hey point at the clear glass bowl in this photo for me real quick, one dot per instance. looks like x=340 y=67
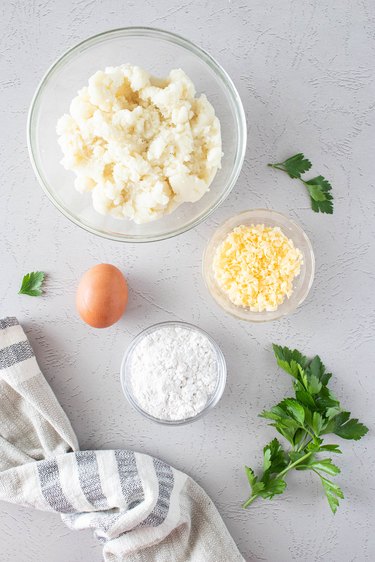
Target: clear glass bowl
x=158 y=52
x=302 y=283
x=126 y=374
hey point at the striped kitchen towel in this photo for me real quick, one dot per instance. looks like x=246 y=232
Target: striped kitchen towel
x=139 y=507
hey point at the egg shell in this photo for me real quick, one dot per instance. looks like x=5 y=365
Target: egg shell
x=102 y=295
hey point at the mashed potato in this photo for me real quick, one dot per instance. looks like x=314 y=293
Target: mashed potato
x=140 y=145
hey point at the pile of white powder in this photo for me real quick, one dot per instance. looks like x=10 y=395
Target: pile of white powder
x=173 y=372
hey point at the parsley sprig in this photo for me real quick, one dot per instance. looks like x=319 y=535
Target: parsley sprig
x=32 y=284
x=303 y=421
x=319 y=188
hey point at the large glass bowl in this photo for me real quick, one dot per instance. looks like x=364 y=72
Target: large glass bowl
x=157 y=52
x=301 y=284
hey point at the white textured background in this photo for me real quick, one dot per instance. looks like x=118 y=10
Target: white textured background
x=305 y=71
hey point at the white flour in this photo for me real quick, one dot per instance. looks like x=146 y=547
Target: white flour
x=174 y=372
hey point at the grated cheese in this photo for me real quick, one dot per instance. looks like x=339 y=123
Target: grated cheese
x=255 y=267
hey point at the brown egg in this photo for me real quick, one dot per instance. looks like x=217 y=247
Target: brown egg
x=102 y=295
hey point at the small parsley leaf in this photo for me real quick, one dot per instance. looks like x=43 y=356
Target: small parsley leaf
x=293 y=166
x=305 y=398
x=320 y=465
x=317 y=368
x=346 y=428
x=331 y=448
x=321 y=199
x=317 y=423
x=32 y=283
x=275 y=486
x=286 y=356
x=274 y=458
x=314 y=385
x=250 y=476
x=319 y=188
x=295 y=409
x=333 y=493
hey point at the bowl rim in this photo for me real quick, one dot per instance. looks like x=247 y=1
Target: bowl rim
x=244 y=314
x=171 y=37
x=221 y=379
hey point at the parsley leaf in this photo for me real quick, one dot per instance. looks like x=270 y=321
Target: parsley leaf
x=322 y=465
x=331 y=448
x=274 y=486
x=295 y=409
x=293 y=166
x=274 y=458
x=270 y=484
x=346 y=428
x=319 y=188
x=317 y=423
x=333 y=493
x=303 y=421
x=32 y=283
x=289 y=360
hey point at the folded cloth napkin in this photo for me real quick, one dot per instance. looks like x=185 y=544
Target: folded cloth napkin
x=139 y=507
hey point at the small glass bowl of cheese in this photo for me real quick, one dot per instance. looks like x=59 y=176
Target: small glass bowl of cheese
x=259 y=265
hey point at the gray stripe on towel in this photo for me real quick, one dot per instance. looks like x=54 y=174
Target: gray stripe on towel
x=165 y=477
x=50 y=484
x=131 y=484
x=15 y=354
x=89 y=479
x=8 y=322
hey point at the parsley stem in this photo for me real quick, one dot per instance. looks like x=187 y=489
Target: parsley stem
x=249 y=501
x=304 y=443
x=277 y=166
x=295 y=463
x=279 y=475
x=308 y=432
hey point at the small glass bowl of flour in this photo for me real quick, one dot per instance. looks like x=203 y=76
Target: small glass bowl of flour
x=173 y=373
